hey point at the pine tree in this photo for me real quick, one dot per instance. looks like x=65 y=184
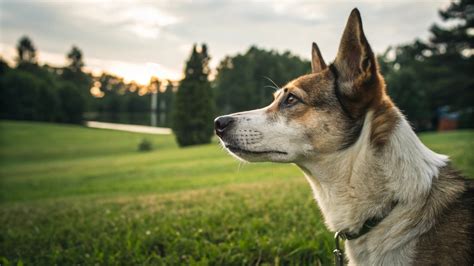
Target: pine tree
x=458 y=38
x=26 y=51
x=193 y=110
x=75 y=59
x=426 y=76
x=74 y=74
x=453 y=59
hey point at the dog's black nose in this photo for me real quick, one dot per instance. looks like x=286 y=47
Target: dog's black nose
x=221 y=124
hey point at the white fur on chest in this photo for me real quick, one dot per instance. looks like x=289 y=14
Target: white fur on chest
x=356 y=184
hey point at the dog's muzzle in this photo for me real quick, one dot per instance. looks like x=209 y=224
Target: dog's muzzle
x=222 y=125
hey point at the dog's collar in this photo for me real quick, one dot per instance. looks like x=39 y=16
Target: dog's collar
x=335 y=73
x=348 y=235
x=366 y=227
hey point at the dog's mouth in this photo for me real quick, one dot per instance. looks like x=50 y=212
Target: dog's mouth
x=236 y=149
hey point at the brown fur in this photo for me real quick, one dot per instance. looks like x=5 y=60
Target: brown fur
x=451 y=205
x=357 y=64
x=384 y=121
x=317 y=61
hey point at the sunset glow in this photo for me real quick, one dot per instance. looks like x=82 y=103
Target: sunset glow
x=137 y=72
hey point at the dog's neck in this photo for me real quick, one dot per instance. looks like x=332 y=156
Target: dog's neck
x=361 y=182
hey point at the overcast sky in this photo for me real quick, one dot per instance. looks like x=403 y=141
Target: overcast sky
x=137 y=39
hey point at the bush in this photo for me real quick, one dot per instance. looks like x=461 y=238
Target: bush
x=145 y=145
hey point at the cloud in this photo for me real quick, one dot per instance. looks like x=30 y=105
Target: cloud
x=144 y=20
x=162 y=32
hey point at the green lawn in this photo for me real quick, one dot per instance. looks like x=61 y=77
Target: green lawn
x=72 y=195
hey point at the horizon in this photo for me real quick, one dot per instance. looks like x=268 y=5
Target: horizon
x=146 y=39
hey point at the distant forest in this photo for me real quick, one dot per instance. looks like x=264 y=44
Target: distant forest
x=426 y=79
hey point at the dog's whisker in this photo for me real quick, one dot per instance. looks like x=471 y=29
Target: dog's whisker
x=276 y=87
x=271 y=86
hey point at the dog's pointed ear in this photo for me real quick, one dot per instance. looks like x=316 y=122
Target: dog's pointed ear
x=317 y=61
x=355 y=58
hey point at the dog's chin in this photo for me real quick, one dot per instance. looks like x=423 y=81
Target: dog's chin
x=249 y=155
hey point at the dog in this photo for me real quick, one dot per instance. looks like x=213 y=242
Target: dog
x=395 y=201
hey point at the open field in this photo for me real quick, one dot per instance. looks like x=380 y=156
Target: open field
x=72 y=195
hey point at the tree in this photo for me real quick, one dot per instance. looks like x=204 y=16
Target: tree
x=19 y=92
x=72 y=103
x=242 y=82
x=112 y=102
x=4 y=67
x=26 y=51
x=73 y=73
x=457 y=39
x=423 y=77
x=193 y=110
x=75 y=59
x=25 y=96
x=453 y=50
x=406 y=88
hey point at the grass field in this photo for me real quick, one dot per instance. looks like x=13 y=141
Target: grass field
x=72 y=195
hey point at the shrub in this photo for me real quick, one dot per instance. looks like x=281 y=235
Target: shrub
x=145 y=145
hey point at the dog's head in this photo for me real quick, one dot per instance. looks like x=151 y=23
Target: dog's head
x=315 y=114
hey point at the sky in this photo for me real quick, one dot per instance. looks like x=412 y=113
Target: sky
x=139 y=39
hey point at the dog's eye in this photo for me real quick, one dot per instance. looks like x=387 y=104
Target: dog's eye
x=290 y=100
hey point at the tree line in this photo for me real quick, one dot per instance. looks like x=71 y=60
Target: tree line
x=33 y=92
x=423 y=77
x=30 y=91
